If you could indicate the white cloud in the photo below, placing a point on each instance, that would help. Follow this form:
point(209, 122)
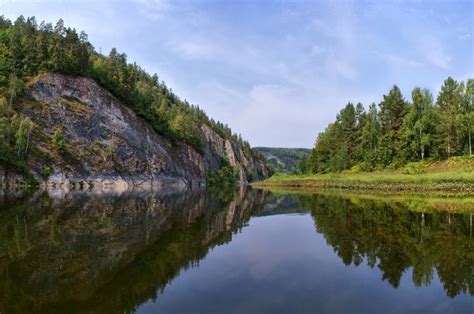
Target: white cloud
point(397, 60)
point(435, 53)
point(277, 76)
point(346, 70)
point(194, 47)
point(153, 9)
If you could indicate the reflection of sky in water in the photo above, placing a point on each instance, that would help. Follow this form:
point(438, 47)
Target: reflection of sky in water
point(280, 264)
point(185, 252)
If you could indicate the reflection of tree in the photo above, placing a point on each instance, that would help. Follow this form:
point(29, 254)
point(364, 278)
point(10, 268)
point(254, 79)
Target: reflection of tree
point(394, 239)
point(108, 252)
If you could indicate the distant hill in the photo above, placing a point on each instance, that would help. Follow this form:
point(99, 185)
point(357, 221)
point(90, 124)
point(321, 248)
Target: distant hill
point(283, 159)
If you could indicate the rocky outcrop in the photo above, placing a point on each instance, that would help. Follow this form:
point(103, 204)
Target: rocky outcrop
point(216, 147)
point(108, 144)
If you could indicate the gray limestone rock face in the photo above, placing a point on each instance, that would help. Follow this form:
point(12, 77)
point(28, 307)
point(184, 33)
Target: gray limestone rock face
point(107, 144)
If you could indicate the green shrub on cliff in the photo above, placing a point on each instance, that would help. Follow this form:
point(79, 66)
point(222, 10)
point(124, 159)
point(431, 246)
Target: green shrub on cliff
point(226, 175)
point(57, 140)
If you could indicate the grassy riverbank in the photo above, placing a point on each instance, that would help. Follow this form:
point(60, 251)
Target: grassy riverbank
point(453, 175)
point(419, 202)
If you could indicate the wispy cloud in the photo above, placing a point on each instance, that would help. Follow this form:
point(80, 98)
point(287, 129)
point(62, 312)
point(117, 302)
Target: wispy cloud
point(435, 52)
point(397, 60)
point(153, 9)
point(277, 73)
point(198, 48)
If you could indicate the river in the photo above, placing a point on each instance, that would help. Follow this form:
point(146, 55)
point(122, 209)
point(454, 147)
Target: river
point(243, 251)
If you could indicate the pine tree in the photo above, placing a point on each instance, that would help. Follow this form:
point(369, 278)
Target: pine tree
point(392, 111)
point(361, 121)
point(370, 137)
point(448, 102)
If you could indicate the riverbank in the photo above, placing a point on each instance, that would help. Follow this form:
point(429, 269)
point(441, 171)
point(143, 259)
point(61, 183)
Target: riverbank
point(453, 175)
point(425, 202)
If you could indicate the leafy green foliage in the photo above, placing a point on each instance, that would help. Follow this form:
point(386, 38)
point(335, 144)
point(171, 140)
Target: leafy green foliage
point(15, 135)
point(57, 140)
point(46, 172)
point(397, 132)
point(226, 175)
point(15, 139)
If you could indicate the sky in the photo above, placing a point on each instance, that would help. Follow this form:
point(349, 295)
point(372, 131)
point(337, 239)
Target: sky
point(277, 72)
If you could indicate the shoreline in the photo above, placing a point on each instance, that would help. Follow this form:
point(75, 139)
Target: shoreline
point(359, 186)
point(417, 202)
point(372, 183)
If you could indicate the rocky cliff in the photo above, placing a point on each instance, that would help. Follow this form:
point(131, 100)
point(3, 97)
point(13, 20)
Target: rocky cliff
point(108, 144)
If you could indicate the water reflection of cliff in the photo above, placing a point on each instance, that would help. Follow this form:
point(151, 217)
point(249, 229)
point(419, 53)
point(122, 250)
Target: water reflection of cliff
point(389, 236)
point(110, 252)
point(107, 251)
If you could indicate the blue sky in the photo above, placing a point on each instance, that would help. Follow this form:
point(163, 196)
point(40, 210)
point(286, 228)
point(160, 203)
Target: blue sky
point(278, 71)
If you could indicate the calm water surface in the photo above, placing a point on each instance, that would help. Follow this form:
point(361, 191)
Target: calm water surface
point(247, 251)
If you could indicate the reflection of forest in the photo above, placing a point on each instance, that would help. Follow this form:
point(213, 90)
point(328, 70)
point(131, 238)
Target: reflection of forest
point(394, 239)
point(108, 252)
point(111, 252)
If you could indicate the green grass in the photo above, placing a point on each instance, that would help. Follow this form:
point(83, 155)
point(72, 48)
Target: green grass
point(453, 175)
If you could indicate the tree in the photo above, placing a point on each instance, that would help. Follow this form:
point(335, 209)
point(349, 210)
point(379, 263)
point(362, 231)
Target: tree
point(4, 131)
point(22, 137)
point(392, 111)
point(465, 120)
point(42, 44)
point(348, 125)
point(370, 136)
point(448, 102)
point(15, 88)
point(58, 47)
point(420, 125)
point(361, 120)
point(322, 157)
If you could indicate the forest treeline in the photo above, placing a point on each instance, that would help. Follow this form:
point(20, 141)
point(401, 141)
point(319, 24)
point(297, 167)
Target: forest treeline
point(397, 131)
point(28, 49)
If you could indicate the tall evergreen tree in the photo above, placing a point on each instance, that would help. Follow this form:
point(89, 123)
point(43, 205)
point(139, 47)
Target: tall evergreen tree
point(370, 137)
point(392, 111)
point(361, 121)
point(448, 102)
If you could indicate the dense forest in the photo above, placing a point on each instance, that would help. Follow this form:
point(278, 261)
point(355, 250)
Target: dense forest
point(397, 131)
point(28, 49)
